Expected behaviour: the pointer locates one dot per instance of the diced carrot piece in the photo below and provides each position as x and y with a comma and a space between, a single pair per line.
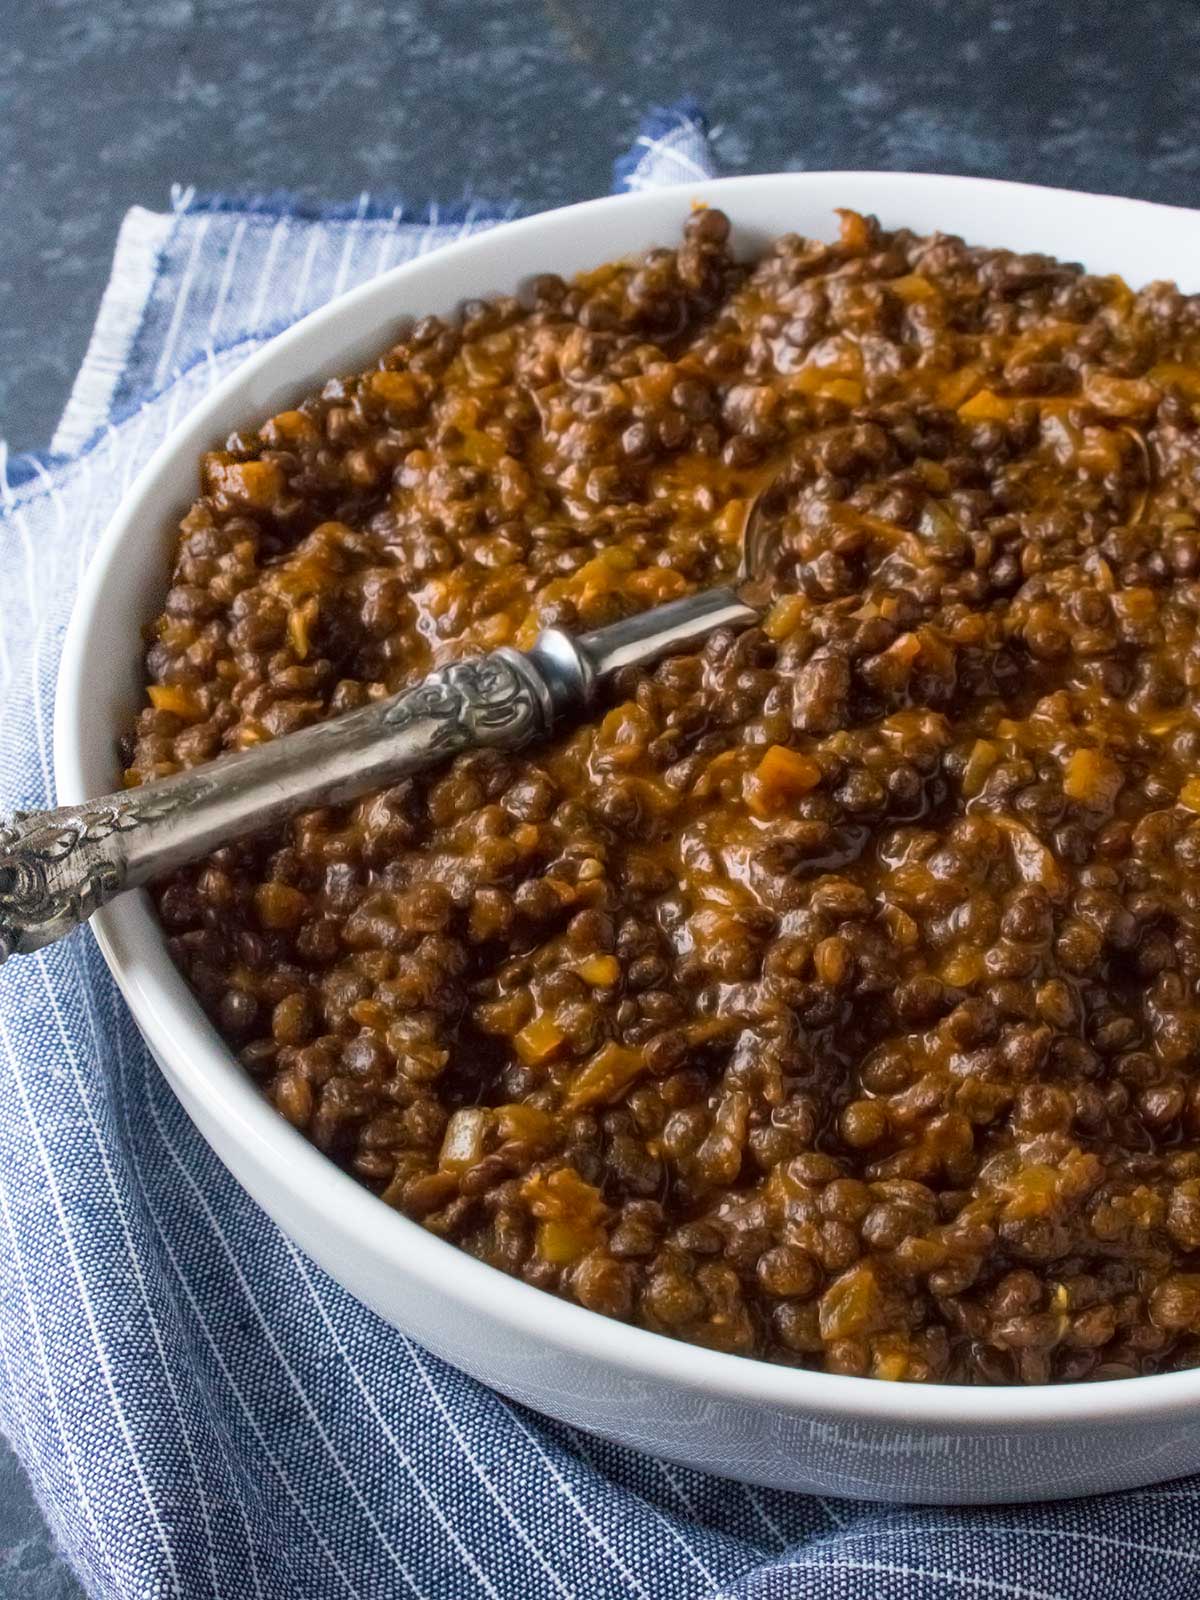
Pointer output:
1135, 605
483, 367
529, 1124
369, 1014
962, 969
784, 774
911, 288
569, 1212
256, 484
933, 473
1092, 778
398, 392
290, 427
986, 406
902, 929
539, 1040
1032, 1192
560, 1243
1034, 862
900, 656
600, 971
624, 733
958, 386
847, 391
562, 1193
172, 697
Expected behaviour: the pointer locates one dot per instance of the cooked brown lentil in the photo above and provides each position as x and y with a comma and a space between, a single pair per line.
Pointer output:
833, 998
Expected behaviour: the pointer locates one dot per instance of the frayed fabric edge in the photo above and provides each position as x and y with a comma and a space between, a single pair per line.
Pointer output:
140, 243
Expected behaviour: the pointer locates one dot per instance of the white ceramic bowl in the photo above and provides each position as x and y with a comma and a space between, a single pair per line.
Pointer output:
746, 1419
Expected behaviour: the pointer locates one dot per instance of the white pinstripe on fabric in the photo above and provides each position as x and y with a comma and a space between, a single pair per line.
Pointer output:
667, 150
668, 1473
214, 1346
486, 1482
1028, 1527
226, 283
387, 241
131, 1134
1086, 1536
899, 1569
765, 1518
968, 1581
89, 1313
301, 288
259, 301
127, 1234
831, 1512
673, 1532
343, 267
427, 1499
577, 1505
88, 532
85, 1499
34, 1456
218, 1234
164, 367
123, 1081
427, 242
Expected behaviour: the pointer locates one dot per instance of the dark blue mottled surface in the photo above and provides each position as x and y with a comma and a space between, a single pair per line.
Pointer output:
103, 103
29, 1567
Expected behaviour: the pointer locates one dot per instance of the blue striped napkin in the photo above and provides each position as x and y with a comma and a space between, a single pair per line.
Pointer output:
201, 1410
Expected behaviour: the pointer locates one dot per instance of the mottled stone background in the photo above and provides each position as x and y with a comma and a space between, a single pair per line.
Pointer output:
103, 103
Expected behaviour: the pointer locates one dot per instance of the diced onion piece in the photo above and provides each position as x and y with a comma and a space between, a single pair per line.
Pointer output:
851, 1305
604, 1076
1120, 397
462, 1145
984, 756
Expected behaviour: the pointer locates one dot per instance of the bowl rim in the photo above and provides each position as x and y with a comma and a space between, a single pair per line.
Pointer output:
177, 1030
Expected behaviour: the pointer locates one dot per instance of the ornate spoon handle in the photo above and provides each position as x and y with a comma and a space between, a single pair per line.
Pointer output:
57, 867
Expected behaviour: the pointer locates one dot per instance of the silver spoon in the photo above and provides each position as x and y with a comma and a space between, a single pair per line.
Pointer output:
57, 867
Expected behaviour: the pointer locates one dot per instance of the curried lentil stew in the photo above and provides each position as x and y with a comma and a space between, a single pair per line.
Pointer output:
831, 998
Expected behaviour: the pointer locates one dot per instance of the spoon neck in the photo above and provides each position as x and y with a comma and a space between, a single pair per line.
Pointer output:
641, 640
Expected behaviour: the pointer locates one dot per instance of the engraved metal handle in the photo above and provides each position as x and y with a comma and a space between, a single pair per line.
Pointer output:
57, 867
